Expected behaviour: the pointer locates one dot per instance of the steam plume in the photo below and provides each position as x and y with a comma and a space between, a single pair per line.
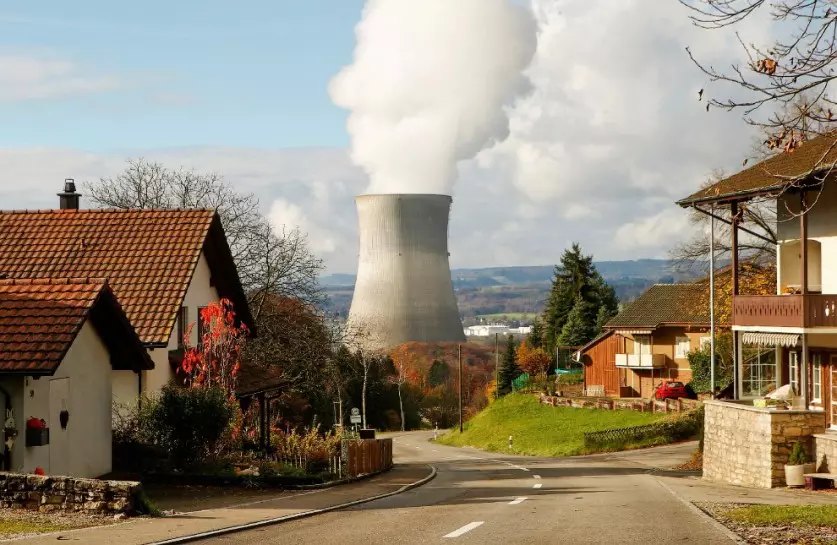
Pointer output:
429, 85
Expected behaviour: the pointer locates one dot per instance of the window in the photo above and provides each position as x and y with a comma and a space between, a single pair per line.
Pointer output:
182, 325
759, 370
642, 344
817, 372
793, 367
682, 347
706, 343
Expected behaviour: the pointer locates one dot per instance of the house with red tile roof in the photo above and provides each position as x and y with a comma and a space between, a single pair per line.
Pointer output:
163, 266
60, 342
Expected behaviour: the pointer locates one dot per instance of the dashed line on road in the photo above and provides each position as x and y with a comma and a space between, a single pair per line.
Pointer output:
418, 448
465, 529
536, 476
518, 501
537, 485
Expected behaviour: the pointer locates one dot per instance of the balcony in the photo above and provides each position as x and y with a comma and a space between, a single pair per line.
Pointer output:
641, 361
812, 310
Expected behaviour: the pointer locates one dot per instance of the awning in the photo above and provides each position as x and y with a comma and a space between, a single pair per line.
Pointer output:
633, 331
771, 339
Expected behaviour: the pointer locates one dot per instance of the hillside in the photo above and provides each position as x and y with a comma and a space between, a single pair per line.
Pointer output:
518, 292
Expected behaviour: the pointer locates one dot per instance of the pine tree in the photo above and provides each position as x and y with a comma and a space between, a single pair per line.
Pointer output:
509, 369
578, 328
438, 374
535, 338
576, 280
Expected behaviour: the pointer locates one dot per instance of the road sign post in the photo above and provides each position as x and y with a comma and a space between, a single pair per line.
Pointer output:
354, 417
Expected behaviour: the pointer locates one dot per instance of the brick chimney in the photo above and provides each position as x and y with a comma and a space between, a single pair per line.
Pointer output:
69, 198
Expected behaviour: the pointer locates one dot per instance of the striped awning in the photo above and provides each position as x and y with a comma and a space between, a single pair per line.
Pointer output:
770, 339
633, 331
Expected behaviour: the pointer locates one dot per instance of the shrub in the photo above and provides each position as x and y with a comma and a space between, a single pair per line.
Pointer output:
192, 422
798, 456
700, 362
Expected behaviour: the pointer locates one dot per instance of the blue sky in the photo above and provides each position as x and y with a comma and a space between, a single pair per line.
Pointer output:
251, 73
597, 152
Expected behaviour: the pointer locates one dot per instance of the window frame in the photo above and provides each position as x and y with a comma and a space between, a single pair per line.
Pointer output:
793, 370
182, 326
678, 342
816, 381
640, 342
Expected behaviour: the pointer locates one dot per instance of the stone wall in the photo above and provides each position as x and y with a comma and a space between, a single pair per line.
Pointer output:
45, 493
747, 446
825, 452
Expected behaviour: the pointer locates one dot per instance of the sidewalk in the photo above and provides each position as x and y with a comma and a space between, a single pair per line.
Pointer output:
695, 489
153, 530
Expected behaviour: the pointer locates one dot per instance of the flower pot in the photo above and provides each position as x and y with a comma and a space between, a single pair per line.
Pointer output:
795, 475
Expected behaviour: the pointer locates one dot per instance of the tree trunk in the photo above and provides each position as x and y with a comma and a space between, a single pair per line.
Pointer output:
363, 393
401, 406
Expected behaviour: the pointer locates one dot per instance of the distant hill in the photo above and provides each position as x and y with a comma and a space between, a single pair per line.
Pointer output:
496, 291
516, 276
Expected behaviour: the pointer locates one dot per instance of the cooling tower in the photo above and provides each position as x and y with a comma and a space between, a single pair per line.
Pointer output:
404, 290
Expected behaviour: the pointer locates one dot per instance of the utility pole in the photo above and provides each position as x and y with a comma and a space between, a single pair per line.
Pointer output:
459, 356
496, 366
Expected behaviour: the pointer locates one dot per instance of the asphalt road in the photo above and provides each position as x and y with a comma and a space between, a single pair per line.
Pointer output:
482, 498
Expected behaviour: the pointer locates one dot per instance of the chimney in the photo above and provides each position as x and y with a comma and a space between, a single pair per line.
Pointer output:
69, 198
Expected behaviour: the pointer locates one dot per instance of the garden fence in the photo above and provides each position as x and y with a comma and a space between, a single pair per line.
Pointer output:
619, 435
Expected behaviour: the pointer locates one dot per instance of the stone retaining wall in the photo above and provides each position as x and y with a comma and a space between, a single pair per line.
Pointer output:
825, 452
622, 404
747, 446
46, 493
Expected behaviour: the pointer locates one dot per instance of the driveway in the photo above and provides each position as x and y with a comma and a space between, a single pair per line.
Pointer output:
484, 498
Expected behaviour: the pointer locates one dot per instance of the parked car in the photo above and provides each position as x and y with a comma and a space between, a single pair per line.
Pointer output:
671, 389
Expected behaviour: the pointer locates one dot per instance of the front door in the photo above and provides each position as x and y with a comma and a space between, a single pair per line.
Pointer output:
59, 451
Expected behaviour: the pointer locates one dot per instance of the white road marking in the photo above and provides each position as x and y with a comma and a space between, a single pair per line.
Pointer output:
518, 501
536, 476
418, 448
537, 485
434, 450
465, 529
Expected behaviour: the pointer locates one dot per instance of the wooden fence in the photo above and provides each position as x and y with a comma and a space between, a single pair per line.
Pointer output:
367, 456
623, 404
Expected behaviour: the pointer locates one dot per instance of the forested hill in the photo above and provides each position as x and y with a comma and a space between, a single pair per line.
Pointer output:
520, 290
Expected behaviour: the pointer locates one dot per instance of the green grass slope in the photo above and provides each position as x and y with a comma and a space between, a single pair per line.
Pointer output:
541, 430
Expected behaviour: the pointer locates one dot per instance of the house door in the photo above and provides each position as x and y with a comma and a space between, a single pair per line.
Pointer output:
59, 439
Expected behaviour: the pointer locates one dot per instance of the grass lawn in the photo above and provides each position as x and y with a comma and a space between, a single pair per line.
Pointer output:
541, 430
11, 528
783, 515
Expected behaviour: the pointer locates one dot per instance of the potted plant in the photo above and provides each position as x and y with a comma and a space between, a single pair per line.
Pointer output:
798, 465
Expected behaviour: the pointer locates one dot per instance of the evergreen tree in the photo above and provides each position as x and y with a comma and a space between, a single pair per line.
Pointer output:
535, 339
578, 290
509, 369
578, 328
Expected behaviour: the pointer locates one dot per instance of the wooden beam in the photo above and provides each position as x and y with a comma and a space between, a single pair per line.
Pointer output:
803, 242
733, 211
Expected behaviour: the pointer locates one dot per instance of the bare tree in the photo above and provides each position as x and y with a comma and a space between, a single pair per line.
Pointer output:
785, 83
268, 261
757, 243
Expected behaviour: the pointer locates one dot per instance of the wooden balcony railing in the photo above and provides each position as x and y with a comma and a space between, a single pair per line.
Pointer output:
812, 310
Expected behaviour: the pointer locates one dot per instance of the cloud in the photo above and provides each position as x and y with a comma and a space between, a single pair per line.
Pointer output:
27, 77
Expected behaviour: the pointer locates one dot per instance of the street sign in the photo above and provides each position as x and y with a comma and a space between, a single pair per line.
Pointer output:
355, 411
354, 419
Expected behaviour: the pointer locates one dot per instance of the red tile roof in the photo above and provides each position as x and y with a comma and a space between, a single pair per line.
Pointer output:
816, 156
40, 319
665, 304
147, 256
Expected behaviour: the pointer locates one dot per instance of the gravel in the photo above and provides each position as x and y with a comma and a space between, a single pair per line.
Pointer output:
769, 535
18, 523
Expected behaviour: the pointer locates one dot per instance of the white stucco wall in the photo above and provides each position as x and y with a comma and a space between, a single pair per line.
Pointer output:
822, 227
88, 433
199, 294
125, 388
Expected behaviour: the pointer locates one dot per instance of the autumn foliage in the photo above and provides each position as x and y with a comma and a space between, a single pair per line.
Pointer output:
534, 361
216, 359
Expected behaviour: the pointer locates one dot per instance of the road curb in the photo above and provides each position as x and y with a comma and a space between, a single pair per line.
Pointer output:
735, 538
295, 516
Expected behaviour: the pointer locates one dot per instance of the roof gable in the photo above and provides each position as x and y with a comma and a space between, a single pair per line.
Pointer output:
665, 304
773, 174
40, 319
148, 257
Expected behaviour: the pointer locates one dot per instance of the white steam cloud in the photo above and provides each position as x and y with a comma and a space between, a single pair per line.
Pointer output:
429, 87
